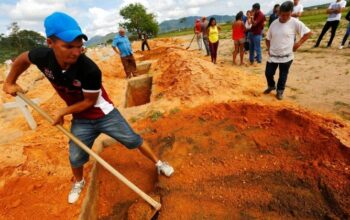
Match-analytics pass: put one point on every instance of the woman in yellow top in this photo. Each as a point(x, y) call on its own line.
point(213, 34)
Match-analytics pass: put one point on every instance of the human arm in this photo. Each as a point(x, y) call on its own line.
point(267, 46)
point(88, 101)
point(20, 65)
point(304, 38)
point(115, 50)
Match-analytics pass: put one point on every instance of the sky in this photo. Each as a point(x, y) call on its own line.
point(102, 17)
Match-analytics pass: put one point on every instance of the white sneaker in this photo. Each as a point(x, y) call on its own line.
point(75, 191)
point(165, 168)
point(341, 47)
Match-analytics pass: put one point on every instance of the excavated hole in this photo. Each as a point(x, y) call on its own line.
point(233, 161)
point(138, 92)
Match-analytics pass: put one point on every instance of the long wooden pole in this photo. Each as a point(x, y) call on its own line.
point(132, 186)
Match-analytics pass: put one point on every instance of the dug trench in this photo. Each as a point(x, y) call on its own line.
point(233, 161)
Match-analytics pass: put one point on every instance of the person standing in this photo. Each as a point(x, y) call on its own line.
point(248, 26)
point(281, 44)
point(122, 42)
point(238, 37)
point(198, 33)
point(144, 40)
point(334, 15)
point(258, 24)
point(347, 33)
point(298, 9)
point(78, 81)
point(204, 25)
point(274, 14)
point(213, 34)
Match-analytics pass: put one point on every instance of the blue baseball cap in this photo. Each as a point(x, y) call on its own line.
point(63, 26)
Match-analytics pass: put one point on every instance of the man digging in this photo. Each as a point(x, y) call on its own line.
point(280, 43)
point(78, 81)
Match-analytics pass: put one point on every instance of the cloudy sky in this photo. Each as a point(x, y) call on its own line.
point(102, 17)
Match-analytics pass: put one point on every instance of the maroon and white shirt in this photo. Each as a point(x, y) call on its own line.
point(83, 76)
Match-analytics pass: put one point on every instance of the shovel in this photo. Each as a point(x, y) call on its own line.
point(103, 163)
point(191, 42)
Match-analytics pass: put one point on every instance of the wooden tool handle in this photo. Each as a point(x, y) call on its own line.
point(103, 163)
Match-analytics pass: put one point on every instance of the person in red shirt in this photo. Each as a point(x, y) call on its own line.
point(198, 33)
point(258, 24)
point(238, 36)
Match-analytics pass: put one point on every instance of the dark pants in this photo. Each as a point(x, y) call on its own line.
point(346, 36)
point(213, 50)
point(329, 24)
point(145, 43)
point(270, 73)
point(129, 65)
point(206, 45)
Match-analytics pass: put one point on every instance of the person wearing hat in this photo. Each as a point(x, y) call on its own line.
point(204, 25)
point(256, 30)
point(198, 32)
point(121, 41)
point(78, 81)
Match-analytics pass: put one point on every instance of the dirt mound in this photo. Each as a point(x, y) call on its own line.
point(236, 161)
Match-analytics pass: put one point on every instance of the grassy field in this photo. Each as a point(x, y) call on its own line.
point(314, 19)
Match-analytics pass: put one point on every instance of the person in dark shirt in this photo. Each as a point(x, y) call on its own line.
point(78, 81)
point(258, 24)
point(144, 40)
point(274, 14)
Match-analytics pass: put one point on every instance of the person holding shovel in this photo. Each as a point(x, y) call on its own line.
point(78, 81)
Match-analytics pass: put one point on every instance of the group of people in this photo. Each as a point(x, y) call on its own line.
point(286, 33)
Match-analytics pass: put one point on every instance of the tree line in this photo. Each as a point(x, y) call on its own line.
point(18, 41)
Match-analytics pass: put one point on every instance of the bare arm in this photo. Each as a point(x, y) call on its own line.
point(267, 46)
point(296, 15)
point(116, 50)
point(20, 65)
point(301, 41)
point(88, 101)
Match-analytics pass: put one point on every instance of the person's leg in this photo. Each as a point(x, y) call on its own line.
point(86, 133)
point(324, 31)
point(269, 74)
point(132, 65)
point(334, 26)
point(344, 40)
point(118, 128)
point(146, 42)
point(143, 46)
point(216, 46)
point(251, 48)
point(206, 44)
point(211, 47)
point(235, 52)
point(284, 70)
point(241, 52)
point(126, 66)
point(257, 45)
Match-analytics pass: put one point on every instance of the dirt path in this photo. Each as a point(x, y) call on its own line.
point(319, 78)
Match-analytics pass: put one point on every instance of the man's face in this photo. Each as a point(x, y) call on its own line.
point(122, 33)
point(67, 53)
point(284, 16)
point(296, 2)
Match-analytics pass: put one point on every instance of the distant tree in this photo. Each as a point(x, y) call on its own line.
point(138, 20)
point(109, 41)
point(18, 41)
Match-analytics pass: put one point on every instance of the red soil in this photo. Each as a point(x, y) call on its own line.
point(236, 161)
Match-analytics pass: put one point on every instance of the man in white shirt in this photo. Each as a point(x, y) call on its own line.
point(281, 44)
point(298, 9)
point(334, 15)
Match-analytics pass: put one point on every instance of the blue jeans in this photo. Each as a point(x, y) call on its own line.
point(113, 124)
point(270, 73)
point(255, 46)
